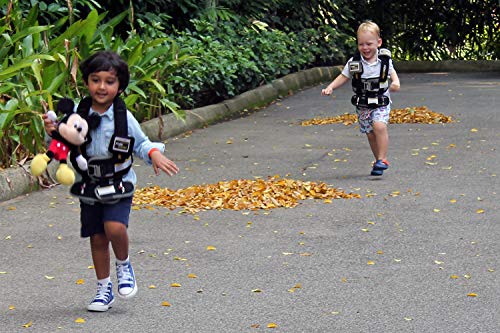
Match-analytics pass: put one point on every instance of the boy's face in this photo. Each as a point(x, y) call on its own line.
point(368, 43)
point(103, 88)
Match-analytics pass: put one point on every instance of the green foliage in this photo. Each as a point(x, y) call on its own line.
point(35, 70)
point(437, 30)
point(235, 57)
point(193, 53)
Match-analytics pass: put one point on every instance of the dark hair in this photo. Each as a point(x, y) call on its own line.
point(106, 61)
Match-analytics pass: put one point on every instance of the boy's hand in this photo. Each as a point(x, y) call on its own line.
point(161, 162)
point(327, 91)
point(49, 123)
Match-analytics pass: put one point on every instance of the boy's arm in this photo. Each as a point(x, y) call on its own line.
point(338, 82)
point(395, 85)
point(150, 152)
point(161, 162)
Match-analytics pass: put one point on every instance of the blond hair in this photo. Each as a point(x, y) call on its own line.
point(370, 27)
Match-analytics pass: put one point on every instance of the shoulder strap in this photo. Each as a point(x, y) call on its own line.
point(384, 56)
point(356, 69)
point(120, 116)
point(121, 144)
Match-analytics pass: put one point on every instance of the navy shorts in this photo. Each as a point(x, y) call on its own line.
point(93, 216)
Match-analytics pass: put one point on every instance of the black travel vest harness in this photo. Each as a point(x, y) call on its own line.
point(369, 92)
point(102, 181)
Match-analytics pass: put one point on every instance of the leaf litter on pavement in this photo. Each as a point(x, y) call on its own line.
point(239, 194)
point(409, 115)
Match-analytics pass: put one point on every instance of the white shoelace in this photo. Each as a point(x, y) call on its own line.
point(102, 292)
point(124, 274)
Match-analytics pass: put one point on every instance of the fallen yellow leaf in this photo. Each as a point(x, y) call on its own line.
point(79, 320)
point(165, 303)
point(152, 286)
point(192, 276)
point(80, 281)
point(272, 325)
point(175, 285)
point(11, 307)
point(472, 295)
point(370, 262)
point(211, 248)
point(28, 324)
point(480, 211)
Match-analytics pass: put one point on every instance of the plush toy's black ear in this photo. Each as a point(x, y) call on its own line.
point(66, 106)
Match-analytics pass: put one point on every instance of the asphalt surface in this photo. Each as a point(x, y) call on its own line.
point(417, 253)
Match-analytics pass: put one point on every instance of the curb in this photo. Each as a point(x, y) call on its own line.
point(169, 125)
point(17, 181)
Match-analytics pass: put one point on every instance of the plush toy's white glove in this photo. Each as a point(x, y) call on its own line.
point(82, 163)
point(52, 116)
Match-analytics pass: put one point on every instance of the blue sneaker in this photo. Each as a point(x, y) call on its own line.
point(379, 166)
point(127, 287)
point(103, 299)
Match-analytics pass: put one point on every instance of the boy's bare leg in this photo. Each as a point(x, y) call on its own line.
point(379, 140)
point(117, 234)
point(99, 246)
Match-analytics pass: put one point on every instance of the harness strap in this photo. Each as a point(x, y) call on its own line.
point(370, 92)
point(105, 168)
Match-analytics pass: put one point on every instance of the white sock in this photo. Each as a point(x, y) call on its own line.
point(121, 262)
point(104, 281)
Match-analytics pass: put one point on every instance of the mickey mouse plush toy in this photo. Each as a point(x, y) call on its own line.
point(71, 132)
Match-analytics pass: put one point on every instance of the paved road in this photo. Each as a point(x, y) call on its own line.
point(430, 227)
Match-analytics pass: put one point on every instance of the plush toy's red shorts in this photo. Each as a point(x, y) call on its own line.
point(93, 216)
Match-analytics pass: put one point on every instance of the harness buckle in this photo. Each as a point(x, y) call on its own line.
point(94, 171)
point(121, 144)
point(355, 67)
point(370, 85)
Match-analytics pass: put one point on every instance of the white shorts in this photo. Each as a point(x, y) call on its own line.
point(367, 116)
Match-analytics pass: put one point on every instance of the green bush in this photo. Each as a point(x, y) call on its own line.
point(234, 57)
point(36, 69)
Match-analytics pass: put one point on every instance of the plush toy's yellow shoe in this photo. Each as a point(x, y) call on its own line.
point(65, 175)
point(39, 164)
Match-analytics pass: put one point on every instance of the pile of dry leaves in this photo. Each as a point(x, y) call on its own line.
point(239, 195)
point(419, 114)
